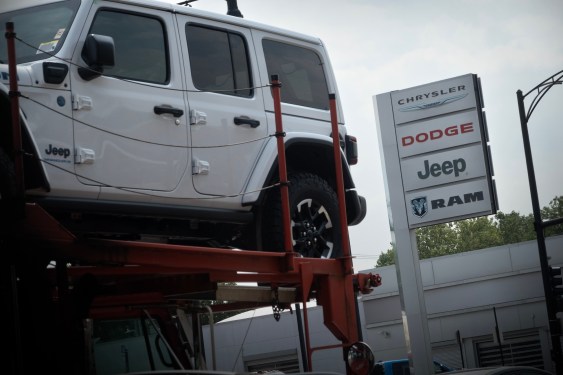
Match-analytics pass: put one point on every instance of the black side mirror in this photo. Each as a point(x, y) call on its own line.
point(360, 358)
point(98, 51)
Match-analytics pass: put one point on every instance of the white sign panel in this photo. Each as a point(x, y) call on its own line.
point(434, 99)
point(466, 199)
point(443, 168)
point(438, 133)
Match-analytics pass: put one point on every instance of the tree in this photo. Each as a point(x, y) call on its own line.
point(450, 238)
point(553, 211)
point(515, 227)
point(387, 257)
point(436, 240)
point(479, 233)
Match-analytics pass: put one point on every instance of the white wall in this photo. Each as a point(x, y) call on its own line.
point(460, 292)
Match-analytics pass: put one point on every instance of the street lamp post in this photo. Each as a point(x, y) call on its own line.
point(539, 225)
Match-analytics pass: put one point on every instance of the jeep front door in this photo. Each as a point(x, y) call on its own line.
point(130, 123)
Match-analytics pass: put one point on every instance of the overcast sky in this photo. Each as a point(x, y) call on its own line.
point(378, 46)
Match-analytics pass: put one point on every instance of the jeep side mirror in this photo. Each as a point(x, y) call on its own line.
point(98, 51)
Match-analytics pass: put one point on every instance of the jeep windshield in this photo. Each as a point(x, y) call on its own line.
point(42, 29)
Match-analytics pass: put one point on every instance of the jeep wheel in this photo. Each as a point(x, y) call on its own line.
point(313, 206)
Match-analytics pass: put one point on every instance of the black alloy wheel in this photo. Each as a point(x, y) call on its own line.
point(315, 223)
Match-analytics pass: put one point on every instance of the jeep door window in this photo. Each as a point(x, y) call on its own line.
point(300, 70)
point(42, 30)
point(219, 61)
point(140, 46)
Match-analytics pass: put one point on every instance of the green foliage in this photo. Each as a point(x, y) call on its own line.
point(553, 211)
point(387, 257)
point(436, 240)
point(479, 233)
point(515, 228)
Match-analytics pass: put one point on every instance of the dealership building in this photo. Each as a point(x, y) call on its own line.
point(469, 298)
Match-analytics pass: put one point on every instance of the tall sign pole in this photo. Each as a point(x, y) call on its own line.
point(436, 159)
point(413, 308)
point(539, 224)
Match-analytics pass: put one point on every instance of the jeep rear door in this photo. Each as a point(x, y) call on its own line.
point(228, 125)
point(130, 124)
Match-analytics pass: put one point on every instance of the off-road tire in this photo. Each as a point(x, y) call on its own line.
point(315, 222)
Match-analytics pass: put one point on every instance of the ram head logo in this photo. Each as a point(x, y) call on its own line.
point(419, 206)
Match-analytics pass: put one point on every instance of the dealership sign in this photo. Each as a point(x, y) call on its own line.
point(441, 148)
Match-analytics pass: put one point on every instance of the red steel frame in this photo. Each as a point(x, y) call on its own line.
point(183, 269)
point(180, 268)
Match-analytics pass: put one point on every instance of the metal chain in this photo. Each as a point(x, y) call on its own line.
point(276, 306)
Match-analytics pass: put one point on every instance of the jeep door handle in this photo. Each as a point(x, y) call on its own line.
point(243, 120)
point(161, 109)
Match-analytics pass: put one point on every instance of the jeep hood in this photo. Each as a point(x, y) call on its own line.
point(23, 73)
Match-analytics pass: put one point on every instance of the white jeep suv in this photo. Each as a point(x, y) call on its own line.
point(155, 121)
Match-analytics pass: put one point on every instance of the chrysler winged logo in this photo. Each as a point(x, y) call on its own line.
point(419, 206)
point(433, 104)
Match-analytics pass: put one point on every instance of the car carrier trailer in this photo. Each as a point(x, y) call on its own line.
point(57, 285)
